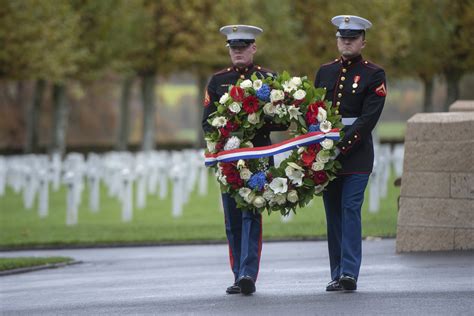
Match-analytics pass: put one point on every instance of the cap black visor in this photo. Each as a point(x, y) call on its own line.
point(349, 33)
point(239, 43)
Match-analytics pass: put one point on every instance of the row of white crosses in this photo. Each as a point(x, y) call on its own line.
point(148, 172)
point(29, 175)
point(385, 158)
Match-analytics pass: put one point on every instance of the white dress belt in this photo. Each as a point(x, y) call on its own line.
point(349, 120)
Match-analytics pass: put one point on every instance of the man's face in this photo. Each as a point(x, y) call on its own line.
point(350, 47)
point(242, 56)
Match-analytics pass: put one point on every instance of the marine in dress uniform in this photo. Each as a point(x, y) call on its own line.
point(243, 228)
point(357, 88)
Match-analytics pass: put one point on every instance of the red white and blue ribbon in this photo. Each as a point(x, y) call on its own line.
point(266, 151)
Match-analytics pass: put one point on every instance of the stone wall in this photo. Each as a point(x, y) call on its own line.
point(462, 106)
point(437, 192)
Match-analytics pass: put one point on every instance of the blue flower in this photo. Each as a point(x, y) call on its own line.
point(264, 93)
point(314, 128)
point(257, 180)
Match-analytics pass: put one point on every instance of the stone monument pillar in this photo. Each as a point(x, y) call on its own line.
point(437, 192)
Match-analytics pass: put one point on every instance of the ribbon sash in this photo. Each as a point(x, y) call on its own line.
point(271, 150)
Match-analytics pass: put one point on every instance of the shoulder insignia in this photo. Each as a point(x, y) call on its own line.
point(371, 65)
point(381, 91)
point(207, 99)
point(223, 71)
point(263, 69)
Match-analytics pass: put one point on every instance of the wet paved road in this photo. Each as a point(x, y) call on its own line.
point(192, 280)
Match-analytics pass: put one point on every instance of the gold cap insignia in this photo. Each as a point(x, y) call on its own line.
point(234, 29)
point(347, 19)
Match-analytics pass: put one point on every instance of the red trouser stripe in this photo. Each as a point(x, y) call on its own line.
point(259, 246)
point(231, 257)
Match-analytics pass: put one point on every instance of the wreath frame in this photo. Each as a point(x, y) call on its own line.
point(282, 99)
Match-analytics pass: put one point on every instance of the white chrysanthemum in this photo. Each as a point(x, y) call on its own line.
point(279, 199)
point(269, 109)
point(224, 98)
point(250, 197)
point(240, 164)
point(219, 121)
point(235, 107)
point(296, 81)
point(246, 84)
point(295, 176)
point(292, 196)
point(317, 166)
point(257, 84)
point(322, 115)
point(281, 110)
point(299, 94)
point(301, 150)
point(276, 95)
point(253, 118)
point(295, 166)
point(211, 146)
point(244, 192)
point(249, 144)
point(259, 202)
point(268, 194)
point(279, 185)
point(327, 143)
point(293, 111)
point(232, 143)
point(245, 174)
point(323, 156)
point(289, 86)
point(325, 126)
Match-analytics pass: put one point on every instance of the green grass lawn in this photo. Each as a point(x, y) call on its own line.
point(391, 130)
point(202, 220)
point(23, 262)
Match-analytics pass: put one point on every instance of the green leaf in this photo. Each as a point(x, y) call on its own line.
point(329, 165)
point(320, 93)
point(302, 121)
point(285, 76)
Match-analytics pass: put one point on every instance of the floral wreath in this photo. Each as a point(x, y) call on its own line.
point(245, 171)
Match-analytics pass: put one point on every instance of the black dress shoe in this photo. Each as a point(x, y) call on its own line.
point(348, 282)
point(233, 289)
point(247, 285)
point(333, 286)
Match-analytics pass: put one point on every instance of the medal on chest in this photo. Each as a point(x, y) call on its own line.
point(356, 83)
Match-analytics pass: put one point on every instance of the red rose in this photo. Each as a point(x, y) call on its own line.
point(237, 93)
point(308, 158)
point(315, 147)
point(227, 167)
point(220, 146)
point(320, 177)
point(224, 132)
point(250, 104)
point(231, 126)
point(269, 177)
point(311, 117)
point(232, 178)
point(238, 185)
point(314, 107)
point(297, 103)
